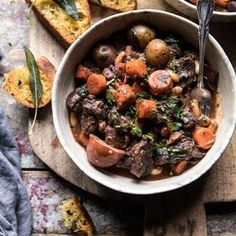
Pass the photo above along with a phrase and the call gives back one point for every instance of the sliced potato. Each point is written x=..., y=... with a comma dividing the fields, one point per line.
x=101, y=154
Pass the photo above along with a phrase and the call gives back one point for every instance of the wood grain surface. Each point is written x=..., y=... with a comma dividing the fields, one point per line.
x=179, y=212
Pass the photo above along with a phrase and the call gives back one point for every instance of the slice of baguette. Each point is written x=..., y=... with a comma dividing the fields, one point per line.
x=117, y=5
x=17, y=83
x=76, y=217
x=59, y=23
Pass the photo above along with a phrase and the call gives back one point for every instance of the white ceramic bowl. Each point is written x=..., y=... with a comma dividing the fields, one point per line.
x=63, y=85
x=190, y=10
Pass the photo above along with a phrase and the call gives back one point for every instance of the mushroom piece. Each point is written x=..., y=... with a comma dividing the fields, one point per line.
x=101, y=154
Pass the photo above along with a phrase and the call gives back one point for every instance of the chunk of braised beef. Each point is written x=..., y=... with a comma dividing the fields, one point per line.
x=185, y=69
x=186, y=143
x=188, y=119
x=118, y=121
x=197, y=154
x=141, y=156
x=74, y=101
x=95, y=107
x=108, y=73
x=88, y=123
x=125, y=163
x=115, y=138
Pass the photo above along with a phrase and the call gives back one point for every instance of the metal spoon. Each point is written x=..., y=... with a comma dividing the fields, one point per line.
x=204, y=9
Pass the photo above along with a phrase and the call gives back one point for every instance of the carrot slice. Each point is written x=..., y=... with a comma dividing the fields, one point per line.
x=222, y=2
x=96, y=84
x=204, y=137
x=82, y=73
x=136, y=68
x=180, y=167
x=160, y=82
x=145, y=108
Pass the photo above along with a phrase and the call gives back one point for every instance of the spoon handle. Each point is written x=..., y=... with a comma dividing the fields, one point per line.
x=204, y=10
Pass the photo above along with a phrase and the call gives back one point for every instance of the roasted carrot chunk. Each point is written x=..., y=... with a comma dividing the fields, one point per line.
x=204, y=137
x=180, y=167
x=145, y=108
x=96, y=84
x=136, y=68
x=82, y=72
x=124, y=96
x=160, y=82
x=222, y=2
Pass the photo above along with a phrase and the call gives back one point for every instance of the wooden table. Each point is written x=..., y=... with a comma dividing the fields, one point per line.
x=47, y=190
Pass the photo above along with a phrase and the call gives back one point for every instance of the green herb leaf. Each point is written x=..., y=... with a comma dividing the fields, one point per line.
x=110, y=98
x=34, y=82
x=149, y=136
x=99, y=2
x=69, y=7
x=136, y=130
x=174, y=127
x=110, y=82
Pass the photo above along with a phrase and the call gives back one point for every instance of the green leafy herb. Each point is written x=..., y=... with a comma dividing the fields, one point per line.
x=99, y=2
x=110, y=98
x=174, y=126
x=34, y=82
x=110, y=82
x=69, y=7
x=149, y=136
x=143, y=95
x=83, y=91
x=174, y=68
x=136, y=130
x=173, y=154
x=179, y=112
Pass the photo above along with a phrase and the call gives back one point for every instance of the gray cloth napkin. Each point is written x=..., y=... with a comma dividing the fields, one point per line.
x=15, y=210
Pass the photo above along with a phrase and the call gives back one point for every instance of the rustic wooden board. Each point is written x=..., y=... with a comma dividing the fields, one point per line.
x=179, y=212
x=43, y=139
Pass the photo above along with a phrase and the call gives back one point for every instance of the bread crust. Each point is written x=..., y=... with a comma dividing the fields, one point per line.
x=17, y=83
x=65, y=41
x=76, y=217
x=121, y=8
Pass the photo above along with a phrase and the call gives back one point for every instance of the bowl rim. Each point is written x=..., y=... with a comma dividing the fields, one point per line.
x=190, y=175
x=218, y=13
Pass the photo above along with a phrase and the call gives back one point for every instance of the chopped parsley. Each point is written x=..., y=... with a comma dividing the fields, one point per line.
x=173, y=154
x=149, y=136
x=136, y=130
x=174, y=126
x=144, y=95
x=110, y=82
x=110, y=98
x=83, y=91
x=174, y=68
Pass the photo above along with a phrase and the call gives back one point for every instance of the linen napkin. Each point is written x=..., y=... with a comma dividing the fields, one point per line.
x=15, y=210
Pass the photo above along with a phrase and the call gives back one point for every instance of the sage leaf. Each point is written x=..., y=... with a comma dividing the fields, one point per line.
x=34, y=82
x=69, y=7
x=99, y=2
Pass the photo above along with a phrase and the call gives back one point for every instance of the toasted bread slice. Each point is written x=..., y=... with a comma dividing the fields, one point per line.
x=76, y=217
x=56, y=20
x=117, y=5
x=17, y=83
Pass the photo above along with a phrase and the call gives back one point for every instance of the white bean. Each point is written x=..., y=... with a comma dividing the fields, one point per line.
x=73, y=119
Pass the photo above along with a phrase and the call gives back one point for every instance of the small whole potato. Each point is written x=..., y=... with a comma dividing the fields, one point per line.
x=140, y=36
x=157, y=53
x=104, y=55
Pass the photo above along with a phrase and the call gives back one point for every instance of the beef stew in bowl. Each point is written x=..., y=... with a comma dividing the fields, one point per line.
x=131, y=107
x=64, y=83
